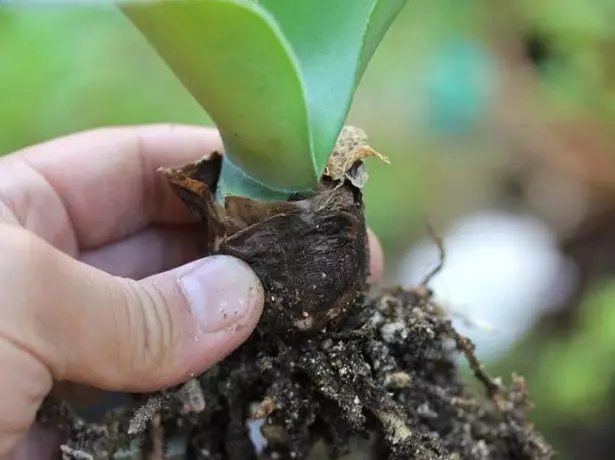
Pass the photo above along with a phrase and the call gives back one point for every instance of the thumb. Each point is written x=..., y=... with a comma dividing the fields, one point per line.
x=113, y=333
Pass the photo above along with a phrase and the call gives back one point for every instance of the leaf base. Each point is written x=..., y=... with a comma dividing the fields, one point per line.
x=310, y=252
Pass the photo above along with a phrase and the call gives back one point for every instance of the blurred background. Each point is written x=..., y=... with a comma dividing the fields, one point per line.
x=498, y=118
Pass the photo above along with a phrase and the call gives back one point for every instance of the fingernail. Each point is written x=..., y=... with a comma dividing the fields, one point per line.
x=221, y=290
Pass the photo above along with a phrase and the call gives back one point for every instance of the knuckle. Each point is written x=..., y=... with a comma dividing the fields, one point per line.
x=150, y=327
x=15, y=241
x=22, y=261
x=29, y=306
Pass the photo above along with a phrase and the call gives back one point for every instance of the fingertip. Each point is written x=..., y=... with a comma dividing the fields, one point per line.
x=221, y=291
x=189, y=319
x=226, y=299
x=376, y=257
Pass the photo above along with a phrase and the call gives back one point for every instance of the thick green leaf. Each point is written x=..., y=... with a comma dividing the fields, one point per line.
x=334, y=41
x=232, y=57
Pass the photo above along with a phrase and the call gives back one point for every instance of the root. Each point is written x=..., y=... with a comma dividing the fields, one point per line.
x=156, y=445
x=394, y=425
x=494, y=390
x=441, y=257
x=145, y=415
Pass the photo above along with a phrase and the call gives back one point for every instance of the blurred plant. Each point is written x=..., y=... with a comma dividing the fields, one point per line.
x=576, y=372
x=577, y=41
x=70, y=69
x=459, y=82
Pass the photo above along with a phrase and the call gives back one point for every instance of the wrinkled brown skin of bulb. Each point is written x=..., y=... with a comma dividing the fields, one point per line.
x=310, y=252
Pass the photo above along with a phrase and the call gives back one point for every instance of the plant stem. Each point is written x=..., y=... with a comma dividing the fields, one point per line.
x=234, y=181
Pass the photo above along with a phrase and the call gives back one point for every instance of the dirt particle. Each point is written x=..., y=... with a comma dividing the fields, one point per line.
x=75, y=454
x=397, y=380
x=392, y=332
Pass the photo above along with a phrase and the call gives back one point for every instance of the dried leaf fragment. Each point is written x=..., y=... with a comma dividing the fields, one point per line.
x=351, y=147
x=264, y=409
x=191, y=397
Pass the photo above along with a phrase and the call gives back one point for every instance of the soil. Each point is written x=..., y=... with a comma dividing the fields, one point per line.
x=331, y=365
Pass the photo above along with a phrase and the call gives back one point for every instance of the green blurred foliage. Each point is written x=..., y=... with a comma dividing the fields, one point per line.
x=573, y=373
x=582, y=365
x=65, y=71
x=581, y=69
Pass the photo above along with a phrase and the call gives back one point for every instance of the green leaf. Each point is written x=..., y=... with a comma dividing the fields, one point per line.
x=279, y=85
x=277, y=77
x=334, y=41
x=232, y=57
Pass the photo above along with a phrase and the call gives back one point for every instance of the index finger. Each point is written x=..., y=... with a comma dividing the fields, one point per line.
x=100, y=186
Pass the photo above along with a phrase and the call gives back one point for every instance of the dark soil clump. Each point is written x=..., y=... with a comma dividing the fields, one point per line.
x=330, y=364
x=389, y=371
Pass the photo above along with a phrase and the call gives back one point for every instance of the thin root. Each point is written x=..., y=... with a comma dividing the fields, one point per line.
x=145, y=414
x=493, y=389
x=394, y=424
x=441, y=255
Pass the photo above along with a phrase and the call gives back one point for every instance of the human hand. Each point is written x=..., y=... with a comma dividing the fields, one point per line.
x=99, y=280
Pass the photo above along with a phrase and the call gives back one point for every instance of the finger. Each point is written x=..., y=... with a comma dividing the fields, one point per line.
x=119, y=334
x=38, y=444
x=83, y=325
x=99, y=186
x=148, y=252
x=376, y=257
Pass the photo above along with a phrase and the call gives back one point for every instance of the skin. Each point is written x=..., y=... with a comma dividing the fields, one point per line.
x=101, y=286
